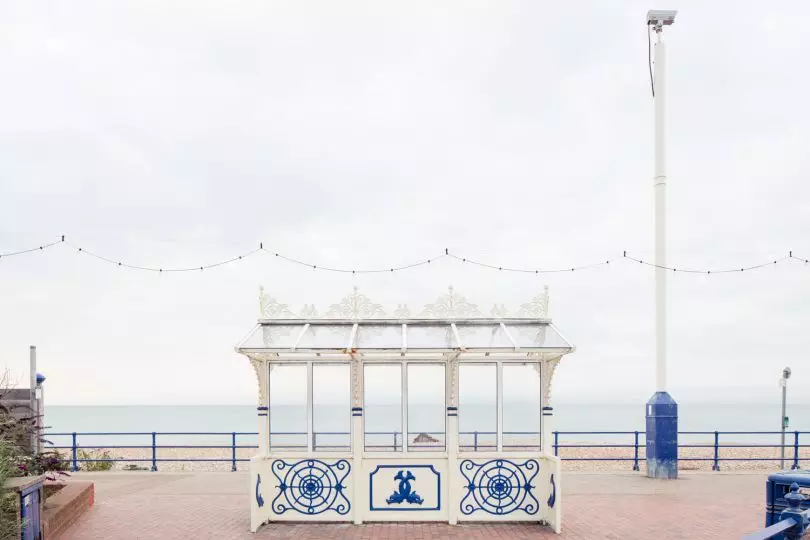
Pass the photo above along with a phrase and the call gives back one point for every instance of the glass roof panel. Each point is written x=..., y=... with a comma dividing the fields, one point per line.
x=273, y=337
x=430, y=337
x=483, y=336
x=323, y=336
x=536, y=335
x=378, y=337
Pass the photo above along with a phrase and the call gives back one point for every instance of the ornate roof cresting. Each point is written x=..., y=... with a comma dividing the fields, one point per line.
x=356, y=306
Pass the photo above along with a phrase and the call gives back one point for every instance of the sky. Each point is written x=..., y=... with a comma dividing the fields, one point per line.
x=370, y=134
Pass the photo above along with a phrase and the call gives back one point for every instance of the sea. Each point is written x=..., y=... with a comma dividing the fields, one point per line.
x=215, y=424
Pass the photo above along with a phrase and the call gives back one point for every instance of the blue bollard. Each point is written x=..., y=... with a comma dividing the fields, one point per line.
x=662, y=436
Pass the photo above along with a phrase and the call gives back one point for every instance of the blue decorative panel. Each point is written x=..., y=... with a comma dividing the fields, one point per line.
x=311, y=486
x=259, y=498
x=499, y=486
x=553, y=497
x=408, y=488
x=404, y=492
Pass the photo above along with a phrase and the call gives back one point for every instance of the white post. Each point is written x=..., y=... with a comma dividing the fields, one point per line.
x=660, y=183
x=451, y=438
x=262, y=369
x=357, y=441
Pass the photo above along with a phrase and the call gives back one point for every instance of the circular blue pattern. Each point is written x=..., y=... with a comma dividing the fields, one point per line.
x=311, y=486
x=499, y=486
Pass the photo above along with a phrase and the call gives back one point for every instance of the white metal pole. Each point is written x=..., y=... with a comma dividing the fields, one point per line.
x=33, y=399
x=784, y=412
x=660, y=184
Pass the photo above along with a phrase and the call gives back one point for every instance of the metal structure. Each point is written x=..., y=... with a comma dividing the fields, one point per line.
x=448, y=483
x=232, y=442
x=661, y=410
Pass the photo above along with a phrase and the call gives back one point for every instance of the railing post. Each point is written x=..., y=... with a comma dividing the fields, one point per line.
x=395, y=441
x=716, y=466
x=556, y=441
x=475, y=441
x=75, y=463
x=314, y=442
x=233, y=451
x=154, y=452
x=635, y=455
x=795, y=451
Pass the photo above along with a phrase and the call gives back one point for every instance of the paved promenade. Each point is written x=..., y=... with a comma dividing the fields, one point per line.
x=147, y=505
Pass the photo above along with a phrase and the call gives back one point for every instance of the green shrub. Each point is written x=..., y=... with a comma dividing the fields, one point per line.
x=95, y=466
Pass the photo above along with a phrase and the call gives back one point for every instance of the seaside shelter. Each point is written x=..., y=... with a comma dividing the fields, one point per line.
x=443, y=415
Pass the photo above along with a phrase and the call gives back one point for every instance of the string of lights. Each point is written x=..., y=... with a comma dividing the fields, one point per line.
x=389, y=269
x=712, y=271
x=43, y=247
x=525, y=270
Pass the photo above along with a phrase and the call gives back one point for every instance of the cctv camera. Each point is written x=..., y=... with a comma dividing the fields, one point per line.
x=661, y=16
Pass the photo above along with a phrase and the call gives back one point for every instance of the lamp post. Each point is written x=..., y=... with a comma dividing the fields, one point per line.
x=783, y=384
x=662, y=411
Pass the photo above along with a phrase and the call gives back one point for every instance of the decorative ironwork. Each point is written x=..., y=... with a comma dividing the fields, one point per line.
x=405, y=492
x=355, y=306
x=499, y=311
x=358, y=306
x=259, y=498
x=537, y=308
x=270, y=308
x=499, y=487
x=449, y=306
x=311, y=486
x=553, y=497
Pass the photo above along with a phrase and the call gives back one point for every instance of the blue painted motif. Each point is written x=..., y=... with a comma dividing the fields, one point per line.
x=499, y=487
x=259, y=498
x=412, y=507
x=311, y=486
x=553, y=497
x=405, y=493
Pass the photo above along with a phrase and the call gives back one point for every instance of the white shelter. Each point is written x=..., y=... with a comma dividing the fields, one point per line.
x=403, y=474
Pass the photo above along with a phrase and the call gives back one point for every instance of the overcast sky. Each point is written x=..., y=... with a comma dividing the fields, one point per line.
x=375, y=133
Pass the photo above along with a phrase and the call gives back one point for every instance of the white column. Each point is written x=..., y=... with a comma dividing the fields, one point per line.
x=359, y=496
x=451, y=438
x=660, y=183
x=262, y=369
x=546, y=412
x=310, y=412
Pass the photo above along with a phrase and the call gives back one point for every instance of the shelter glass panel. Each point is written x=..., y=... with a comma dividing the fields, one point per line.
x=536, y=335
x=288, y=408
x=426, y=408
x=319, y=336
x=477, y=407
x=382, y=384
x=484, y=336
x=430, y=337
x=331, y=404
x=273, y=336
x=378, y=337
x=521, y=407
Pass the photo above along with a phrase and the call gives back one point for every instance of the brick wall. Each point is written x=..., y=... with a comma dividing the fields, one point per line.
x=65, y=507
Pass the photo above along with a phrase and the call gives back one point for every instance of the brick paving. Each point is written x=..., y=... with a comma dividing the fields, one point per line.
x=144, y=505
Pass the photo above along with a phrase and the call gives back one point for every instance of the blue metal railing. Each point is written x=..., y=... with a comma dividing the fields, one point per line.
x=468, y=441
